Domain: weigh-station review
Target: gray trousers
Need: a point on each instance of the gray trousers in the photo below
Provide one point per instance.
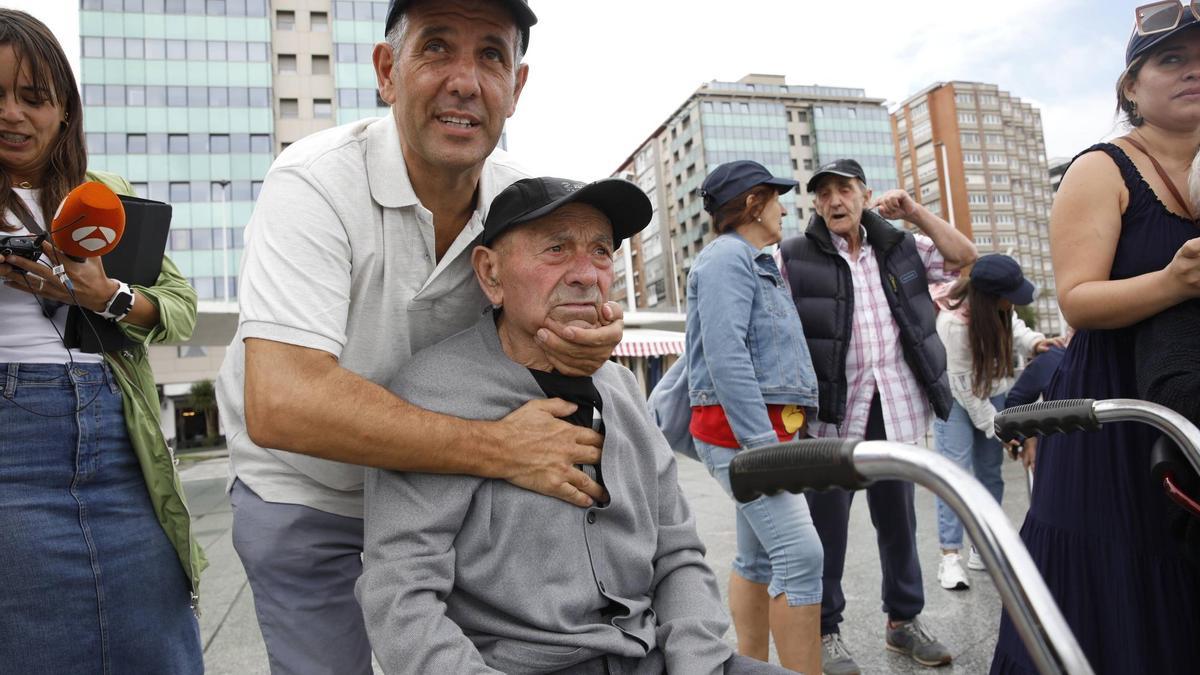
(302, 565)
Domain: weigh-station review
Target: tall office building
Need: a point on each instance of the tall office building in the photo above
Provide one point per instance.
(975, 155)
(790, 129)
(192, 99)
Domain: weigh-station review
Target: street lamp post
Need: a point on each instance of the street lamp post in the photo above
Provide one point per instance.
(226, 187)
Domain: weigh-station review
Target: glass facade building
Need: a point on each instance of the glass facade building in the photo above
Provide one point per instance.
(860, 132)
(177, 99)
(357, 27)
(789, 129)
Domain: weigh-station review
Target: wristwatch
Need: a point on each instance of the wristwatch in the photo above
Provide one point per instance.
(119, 304)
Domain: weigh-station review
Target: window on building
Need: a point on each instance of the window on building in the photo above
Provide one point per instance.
(967, 118)
(218, 144)
(177, 144)
(808, 165)
(285, 20)
(197, 50)
(155, 48)
(93, 94)
(181, 192)
(287, 63)
(135, 96)
(93, 47)
(319, 22)
(805, 140)
(320, 64)
(218, 97)
(257, 52)
(135, 144)
(322, 108)
(135, 48)
(977, 198)
(289, 108)
(218, 50)
(802, 116)
(260, 143)
(176, 50)
(114, 94)
(260, 97)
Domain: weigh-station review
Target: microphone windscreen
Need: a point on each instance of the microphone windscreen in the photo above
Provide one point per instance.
(89, 222)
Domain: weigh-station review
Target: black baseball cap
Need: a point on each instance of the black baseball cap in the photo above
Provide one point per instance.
(733, 178)
(1001, 275)
(847, 168)
(519, 8)
(625, 205)
(1140, 44)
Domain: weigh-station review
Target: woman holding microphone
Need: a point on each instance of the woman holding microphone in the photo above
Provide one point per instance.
(98, 568)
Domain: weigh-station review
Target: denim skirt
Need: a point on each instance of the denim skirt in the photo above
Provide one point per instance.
(89, 582)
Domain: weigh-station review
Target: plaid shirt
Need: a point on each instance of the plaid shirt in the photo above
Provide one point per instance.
(875, 359)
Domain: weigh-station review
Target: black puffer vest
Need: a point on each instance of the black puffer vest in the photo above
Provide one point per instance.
(824, 295)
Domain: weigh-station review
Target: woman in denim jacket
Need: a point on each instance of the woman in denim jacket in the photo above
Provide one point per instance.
(751, 383)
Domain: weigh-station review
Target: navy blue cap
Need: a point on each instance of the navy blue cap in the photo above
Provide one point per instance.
(1001, 275)
(627, 208)
(1140, 44)
(847, 168)
(519, 8)
(733, 178)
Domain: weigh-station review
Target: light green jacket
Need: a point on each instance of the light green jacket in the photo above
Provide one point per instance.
(176, 302)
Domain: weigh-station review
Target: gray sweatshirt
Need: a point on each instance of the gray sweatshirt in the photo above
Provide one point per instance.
(470, 575)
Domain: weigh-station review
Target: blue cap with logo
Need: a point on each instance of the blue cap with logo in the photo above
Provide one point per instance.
(1001, 275)
(733, 178)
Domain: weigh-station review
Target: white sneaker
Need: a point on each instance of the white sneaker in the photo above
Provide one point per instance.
(975, 561)
(950, 573)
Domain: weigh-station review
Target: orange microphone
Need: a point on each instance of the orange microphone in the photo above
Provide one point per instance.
(89, 222)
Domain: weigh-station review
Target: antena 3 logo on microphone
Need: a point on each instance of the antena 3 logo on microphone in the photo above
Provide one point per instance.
(89, 222)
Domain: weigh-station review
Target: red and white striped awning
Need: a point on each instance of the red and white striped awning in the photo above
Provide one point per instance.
(646, 342)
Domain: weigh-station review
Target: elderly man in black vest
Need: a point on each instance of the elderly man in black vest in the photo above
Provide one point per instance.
(861, 287)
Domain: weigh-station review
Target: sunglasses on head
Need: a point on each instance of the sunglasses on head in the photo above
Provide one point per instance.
(1159, 17)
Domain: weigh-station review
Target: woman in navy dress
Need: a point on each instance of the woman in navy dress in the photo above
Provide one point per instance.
(1125, 247)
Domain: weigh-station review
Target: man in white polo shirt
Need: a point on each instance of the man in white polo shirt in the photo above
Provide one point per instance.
(357, 256)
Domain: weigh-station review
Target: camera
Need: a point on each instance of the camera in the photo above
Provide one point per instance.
(22, 245)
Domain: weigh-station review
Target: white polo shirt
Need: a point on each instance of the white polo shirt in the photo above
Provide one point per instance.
(340, 257)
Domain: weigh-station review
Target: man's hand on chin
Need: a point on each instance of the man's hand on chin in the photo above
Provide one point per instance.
(575, 348)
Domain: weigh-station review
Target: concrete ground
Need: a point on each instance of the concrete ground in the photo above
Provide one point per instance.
(965, 621)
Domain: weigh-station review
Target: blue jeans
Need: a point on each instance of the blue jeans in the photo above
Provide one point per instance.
(959, 441)
(89, 582)
(777, 544)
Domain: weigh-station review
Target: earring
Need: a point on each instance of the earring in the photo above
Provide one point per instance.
(1134, 118)
(759, 219)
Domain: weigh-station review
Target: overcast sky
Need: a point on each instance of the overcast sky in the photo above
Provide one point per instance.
(604, 75)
